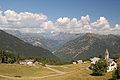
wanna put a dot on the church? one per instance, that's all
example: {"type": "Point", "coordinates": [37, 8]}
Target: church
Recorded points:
{"type": "Point", "coordinates": [111, 63]}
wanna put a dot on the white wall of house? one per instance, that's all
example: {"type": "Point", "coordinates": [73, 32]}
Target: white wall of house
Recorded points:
{"type": "Point", "coordinates": [74, 63]}
{"type": "Point", "coordinates": [112, 66]}
{"type": "Point", "coordinates": [94, 60]}
{"type": "Point", "coordinates": [79, 61]}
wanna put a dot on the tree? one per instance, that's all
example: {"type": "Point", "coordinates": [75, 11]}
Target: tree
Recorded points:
{"type": "Point", "coordinates": [18, 58]}
{"type": "Point", "coordinates": [116, 73]}
{"type": "Point", "coordinates": [7, 56]}
{"type": "Point", "coordinates": [2, 56]}
{"type": "Point", "coordinates": [99, 68]}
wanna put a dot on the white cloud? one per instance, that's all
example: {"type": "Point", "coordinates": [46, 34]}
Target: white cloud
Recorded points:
{"type": "Point", "coordinates": [102, 23]}
{"type": "Point", "coordinates": [37, 23]}
{"type": "Point", "coordinates": [63, 21]}
{"type": "Point", "coordinates": [25, 21]}
{"type": "Point", "coordinates": [116, 29]}
{"type": "Point", "coordinates": [84, 25]}
{"type": "Point", "coordinates": [73, 25]}
{"type": "Point", "coordinates": [48, 25]}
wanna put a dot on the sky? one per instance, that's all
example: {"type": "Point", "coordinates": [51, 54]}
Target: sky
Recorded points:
{"type": "Point", "coordinates": [61, 14]}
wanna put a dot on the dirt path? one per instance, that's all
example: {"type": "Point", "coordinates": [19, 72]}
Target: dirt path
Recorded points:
{"type": "Point", "coordinates": [57, 71]}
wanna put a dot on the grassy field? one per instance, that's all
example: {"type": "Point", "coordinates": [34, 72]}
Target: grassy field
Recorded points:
{"type": "Point", "coordinates": [77, 72]}
{"type": "Point", "coordinates": [69, 72]}
{"type": "Point", "coordinates": [22, 71]}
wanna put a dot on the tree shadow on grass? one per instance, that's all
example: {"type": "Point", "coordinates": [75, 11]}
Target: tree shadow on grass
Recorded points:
{"type": "Point", "coordinates": [96, 74]}
{"type": "Point", "coordinates": [18, 76]}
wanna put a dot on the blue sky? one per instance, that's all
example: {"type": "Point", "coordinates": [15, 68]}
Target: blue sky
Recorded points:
{"type": "Point", "coordinates": [69, 8]}
{"type": "Point", "coordinates": [69, 16]}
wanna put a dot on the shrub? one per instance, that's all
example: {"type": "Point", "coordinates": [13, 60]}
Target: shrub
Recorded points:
{"type": "Point", "coordinates": [116, 73]}
{"type": "Point", "coordinates": [99, 68]}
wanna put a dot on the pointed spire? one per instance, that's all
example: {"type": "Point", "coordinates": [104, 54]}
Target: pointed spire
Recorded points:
{"type": "Point", "coordinates": [106, 51]}
{"type": "Point", "coordinates": [106, 54]}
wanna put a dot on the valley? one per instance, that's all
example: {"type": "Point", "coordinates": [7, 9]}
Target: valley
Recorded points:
{"type": "Point", "coordinates": [70, 47]}
{"type": "Point", "coordinates": [59, 39]}
{"type": "Point", "coordinates": [50, 41]}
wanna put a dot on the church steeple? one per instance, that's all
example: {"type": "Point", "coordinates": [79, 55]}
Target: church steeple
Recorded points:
{"type": "Point", "coordinates": [106, 54]}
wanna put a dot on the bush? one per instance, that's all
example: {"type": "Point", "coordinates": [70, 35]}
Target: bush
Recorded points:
{"type": "Point", "coordinates": [116, 73]}
{"type": "Point", "coordinates": [99, 68]}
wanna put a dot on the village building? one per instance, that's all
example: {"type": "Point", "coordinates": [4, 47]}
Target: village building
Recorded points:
{"type": "Point", "coordinates": [77, 62]}
{"type": "Point", "coordinates": [27, 62]}
{"type": "Point", "coordinates": [110, 62]}
{"type": "Point", "coordinates": [74, 62]}
{"type": "Point", "coordinates": [94, 60]}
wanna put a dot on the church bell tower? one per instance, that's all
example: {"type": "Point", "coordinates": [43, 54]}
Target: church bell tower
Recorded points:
{"type": "Point", "coordinates": [106, 55]}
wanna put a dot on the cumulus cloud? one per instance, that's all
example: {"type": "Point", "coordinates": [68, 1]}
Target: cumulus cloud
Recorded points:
{"type": "Point", "coordinates": [63, 21]}
{"type": "Point", "coordinates": [116, 29]}
{"type": "Point", "coordinates": [38, 23]}
{"type": "Point", "coordinates": [84, 25]}
{"type": "Point", "coordinates": [101, 23]}
{"type": "Point", "coordinates": [24, 21]}
{"type": "Point", "coordinates": [74, 25]}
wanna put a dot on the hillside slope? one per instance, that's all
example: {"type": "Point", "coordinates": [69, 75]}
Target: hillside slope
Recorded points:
{"type": "Point", "coordinates": [49, 41]}
{"type": "Point", "coordinates": [89, 45]}
{"type": "Point", "coordinates": [9, 42]}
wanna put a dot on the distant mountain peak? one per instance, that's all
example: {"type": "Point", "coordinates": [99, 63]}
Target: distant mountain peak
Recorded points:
{"type": "Point", "coordinates": [89, 45]}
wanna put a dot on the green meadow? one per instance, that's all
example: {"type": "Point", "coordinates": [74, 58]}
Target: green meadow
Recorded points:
{"type": "Point", "coordinates": [61, 72]}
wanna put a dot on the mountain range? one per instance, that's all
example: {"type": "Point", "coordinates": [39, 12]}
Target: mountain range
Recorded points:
{"type": "Point", "coordinates": [69, 47]}
{"type": "Point", "coordinates": [89, 45]}
{"type": "Point", "coordinates": [50, 41]}
{"type": "Point", "coordinates": [12, 43]}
